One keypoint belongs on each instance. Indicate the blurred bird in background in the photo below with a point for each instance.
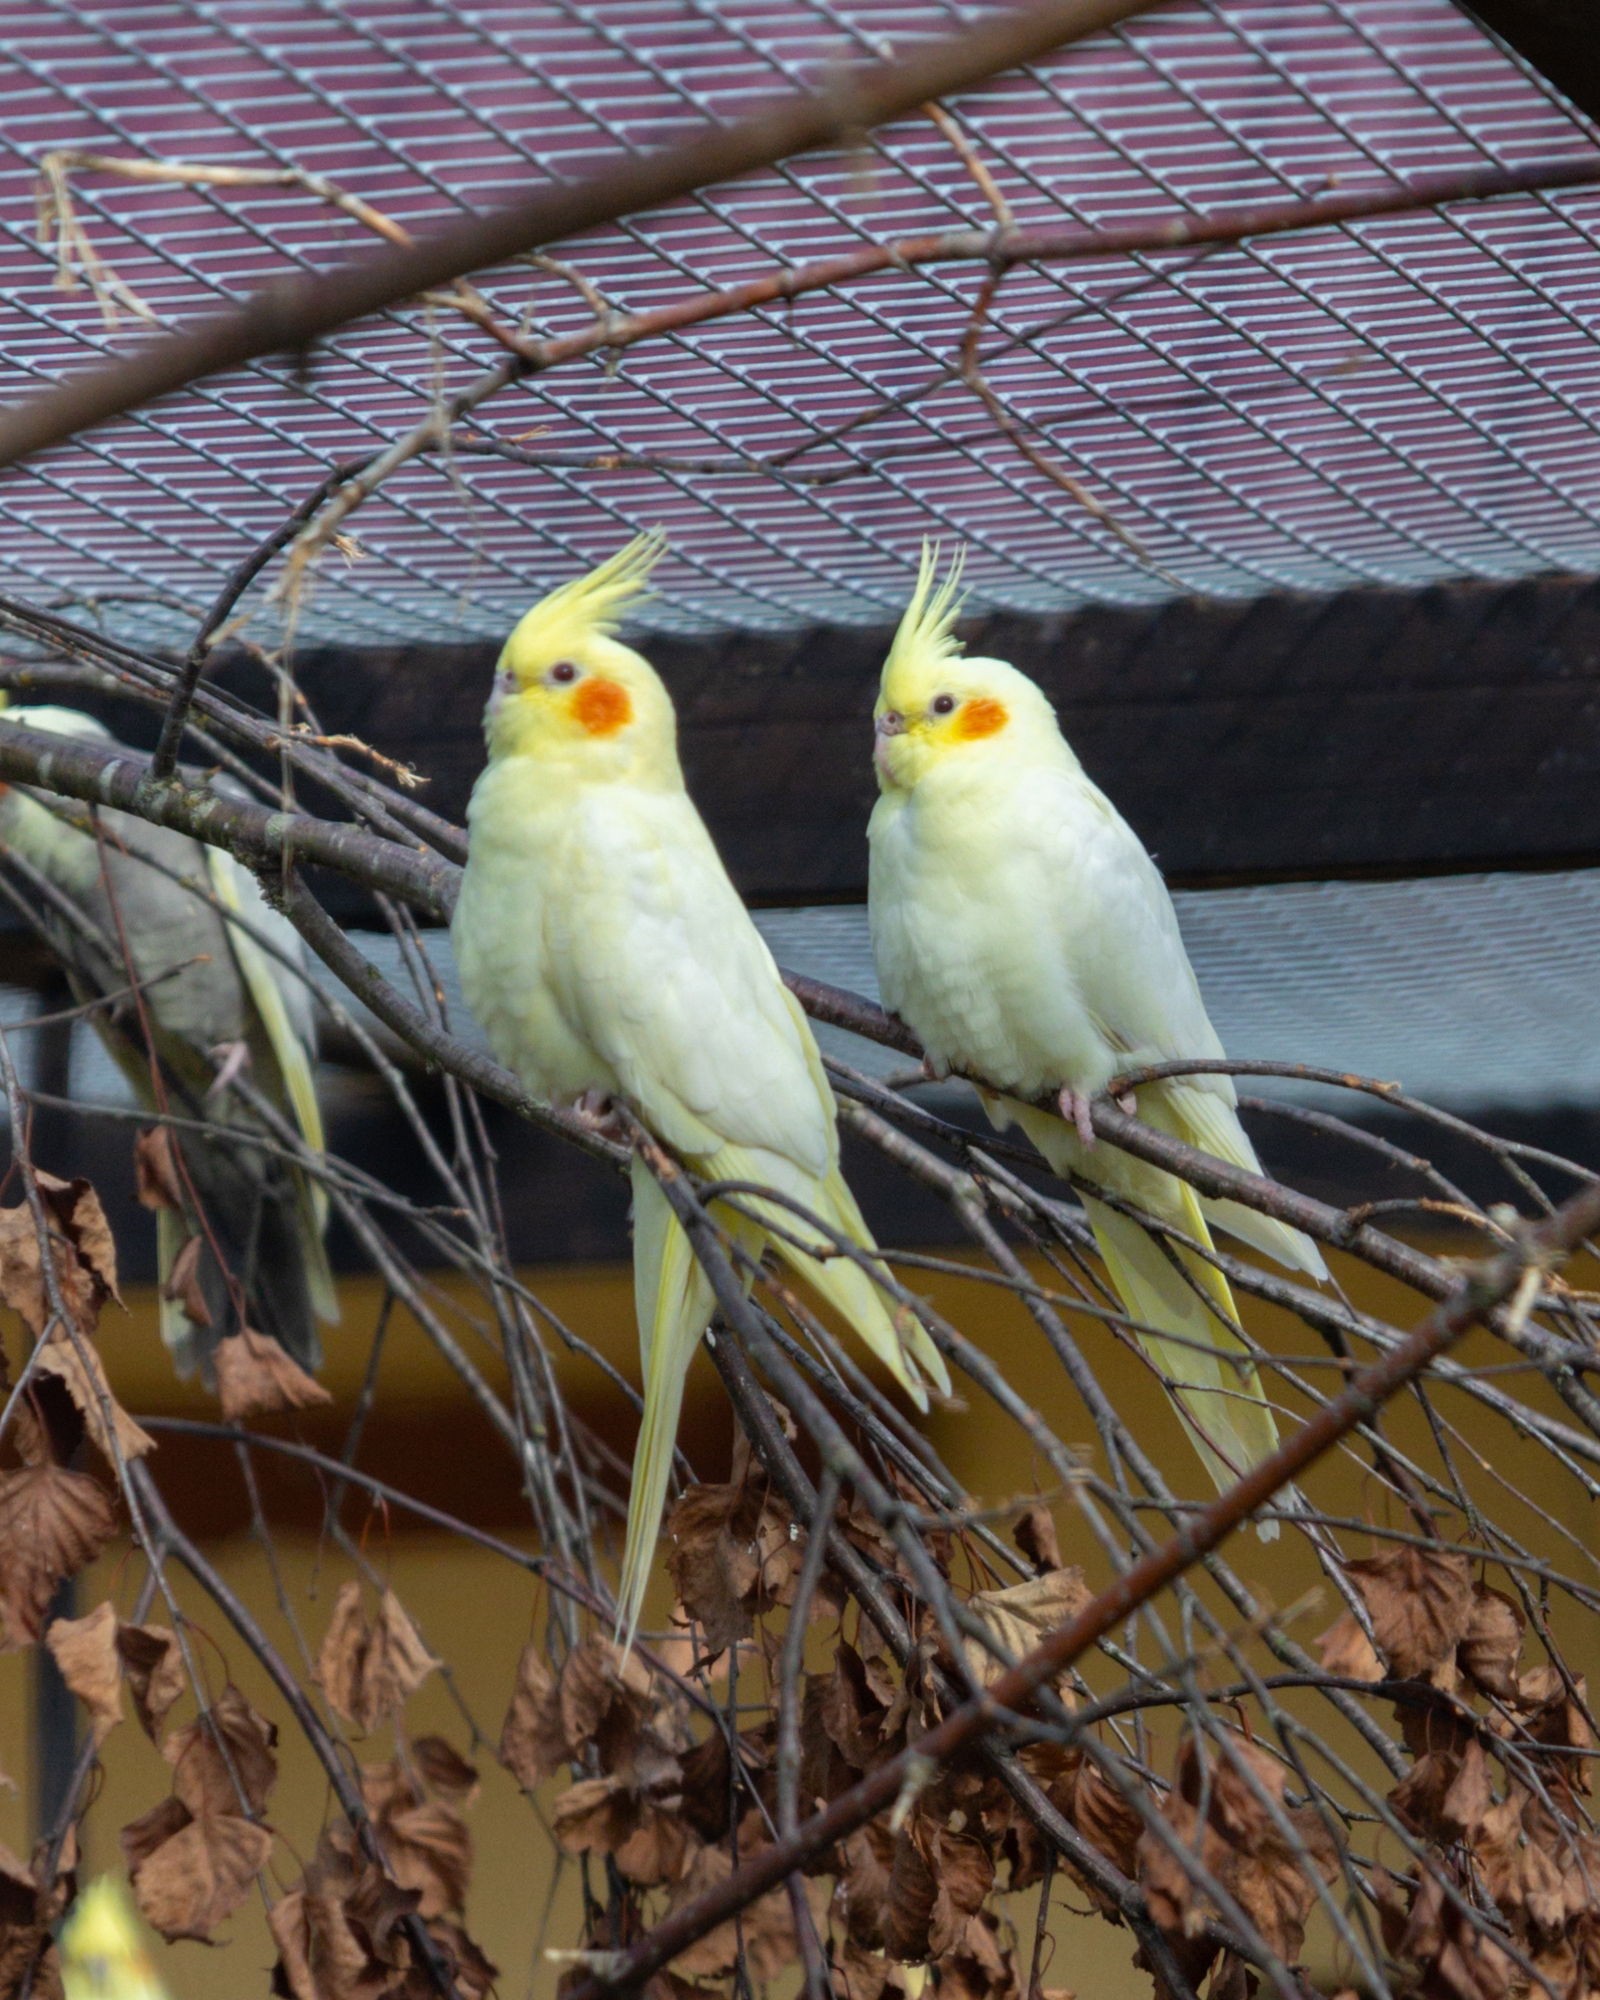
(607, 956)
(103, 1954)
(1023, 933)
(218, 997)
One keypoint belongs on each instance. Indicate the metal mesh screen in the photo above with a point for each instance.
(1396, 401)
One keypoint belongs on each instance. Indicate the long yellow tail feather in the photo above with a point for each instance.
(673, 1300)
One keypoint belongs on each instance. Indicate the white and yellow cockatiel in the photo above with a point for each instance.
(265, 1218)
(606, 955)
(1023, 933)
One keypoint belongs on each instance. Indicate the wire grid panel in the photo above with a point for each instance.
(1341, 975)
(1346, 976)
(1397, 401)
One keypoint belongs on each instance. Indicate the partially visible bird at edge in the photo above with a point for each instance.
(220, 990)
(1023, 933)
(103, 1950)
(608, 958)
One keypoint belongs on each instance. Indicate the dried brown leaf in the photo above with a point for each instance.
(853, 1712)
(1420, 1603)
(142, 1836)
(27, 1913)
(472, 1974)
(75, 1208)
(1347, 1651)
(297, 1972)
(1035, 1535)
(1272, 1877)
(152, 1666)
(533, 1744)
(338, 1934)
(1465, 1804)
(255, 1377)
(190, 1883)
(22, 1280)
(913, 1893)
(76, 1364)
(1488, 1651)
(657, 1850)
(1106, 1818)
(1558, 1717)
(866, 1975)
(430, 1850)
(862, 1894)
(977, 1967)
(343, 1653)
(445, 1769)
(183, 1286)
(157, 1178)
(159, 1181)
(211, 1782)
(734, 1553)
(85, 1651)
(825, 1771)
(52, 1522)
(1021, 1616)
(767, 1924)
(703, 1786)
(595, 1816)
(605, 1700)
(397, 1661)
(81, 1252)
(368, 1671)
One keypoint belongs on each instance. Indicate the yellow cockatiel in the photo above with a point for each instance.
(1022, 931)
(607, 955)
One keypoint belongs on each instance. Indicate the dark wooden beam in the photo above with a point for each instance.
(1375, 732)
(1378, 732)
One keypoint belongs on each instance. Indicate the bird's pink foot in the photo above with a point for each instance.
(233, 1059)
(1075, 1109)
(1129, 1102)
(595, 1109)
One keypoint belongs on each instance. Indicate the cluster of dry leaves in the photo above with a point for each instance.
(194, 1856)
(254, 1376)
(921, 1890)
(1496, 1896)
(1500, 1755)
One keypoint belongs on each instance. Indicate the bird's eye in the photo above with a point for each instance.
(563, 671)
(944, 704)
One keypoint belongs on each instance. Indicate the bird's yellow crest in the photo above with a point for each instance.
(587, 608)
(926, 636)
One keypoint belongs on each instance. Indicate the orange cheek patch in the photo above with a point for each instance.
(602, 707)
(980, 718)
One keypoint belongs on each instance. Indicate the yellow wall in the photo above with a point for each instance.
(475, 1609)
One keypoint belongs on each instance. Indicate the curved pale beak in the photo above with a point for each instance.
(890, 723)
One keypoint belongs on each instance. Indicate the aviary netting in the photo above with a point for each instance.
(922, 1711)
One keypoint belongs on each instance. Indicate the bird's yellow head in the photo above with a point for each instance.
(935, 705)
(103, 1954)
(567, 690)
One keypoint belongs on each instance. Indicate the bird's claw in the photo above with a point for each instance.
(1074, 1108)
(233, 1058)
(598, 1114)
(1129, 1102)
